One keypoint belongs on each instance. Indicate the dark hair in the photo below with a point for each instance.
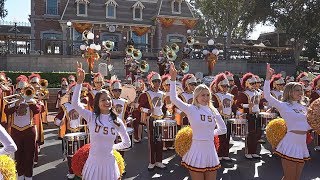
(96, 109)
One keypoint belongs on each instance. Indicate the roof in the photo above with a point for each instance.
(21, 30)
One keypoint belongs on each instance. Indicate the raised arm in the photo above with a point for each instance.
(221, 126)
(266, 90)
(9, 146)
(173, 92)
(75, 101)
(125, 140)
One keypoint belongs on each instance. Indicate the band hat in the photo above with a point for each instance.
(291, 79)
(35, 80)
(230, 78)
(224, 82)
(137, 84)
(21, 84)
(71, 78)
(252, 80)
(305, 78)
(64, 83)
(156, 76)
(308, 88)
(193, 79)
(2, 77)
(116, 85)
(98, 79)
(166, 81)
(280, 81)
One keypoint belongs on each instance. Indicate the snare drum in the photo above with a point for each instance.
(239, 128)
(73, 142)
(266, 117)
(130, 133)
(165, 129)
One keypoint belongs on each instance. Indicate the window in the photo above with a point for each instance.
(111, 6)
(82, 9)
(113, 38)
(176, 7)
(140, 42)
(52, 7)
(137, 10)
(175, 39)
(51, 36)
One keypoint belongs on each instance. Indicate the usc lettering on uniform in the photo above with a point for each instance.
(105, 130)
(203, 118)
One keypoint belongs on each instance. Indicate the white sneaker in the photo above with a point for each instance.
(227, 158)
(70, 176)
(220, 158)
(164, 148)
(151, 166)
(160, 165)
(256, 156)
(317, 148)
(136, 141)
(28, 178)
(248, 156)
(172, 148)
(261, 141)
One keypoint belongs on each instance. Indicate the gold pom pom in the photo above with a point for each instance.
(7, 167)
(183, 140)
(275, 131)
(313, 115)
(120, 161)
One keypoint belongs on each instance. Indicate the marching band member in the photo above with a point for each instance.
(151, 102)
(233, 87)
(71, 79)
(103, 127)
(62, 92)
(68, 120)
(223, 101)
(161, 63)
(44, 94)
(303, 78)
(292, 148)
(4, 91)
(315, 95)
(98, 83)
(136, 114)
(22, 114)
(276, 85)
(34, 81)
(248, 102)
(289, 79)
(189, 82)
(9, 147)
(168, 107)
(201, 160)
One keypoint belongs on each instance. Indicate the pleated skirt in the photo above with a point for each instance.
(293, 147)
(100, 168)
(201, 157)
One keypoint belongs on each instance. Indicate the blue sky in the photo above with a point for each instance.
(20, 10)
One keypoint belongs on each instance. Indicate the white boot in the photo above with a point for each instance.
(21, 178)
(28, 178)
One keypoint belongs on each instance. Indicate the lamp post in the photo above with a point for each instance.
(225, 46)
(69, 24)
(292, 46)
(15, 36)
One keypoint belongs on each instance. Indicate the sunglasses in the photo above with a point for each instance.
(98, 82)
(224, 86)
(193, 84)
(253, 83)
(116, 90)
(156, 81)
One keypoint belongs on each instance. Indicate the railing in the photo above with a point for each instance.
(72, 48)
(12, 23)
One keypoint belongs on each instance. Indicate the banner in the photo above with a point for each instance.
(189, 23)
(80, 27)
(139, 31)
(166, 22)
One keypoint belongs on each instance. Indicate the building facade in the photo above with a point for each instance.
(149, 23)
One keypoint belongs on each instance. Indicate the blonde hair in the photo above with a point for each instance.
(288, 90)
(197, 92)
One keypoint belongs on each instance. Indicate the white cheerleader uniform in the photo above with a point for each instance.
(101, 163)
(202, 156)
(9, 147)
(293, 146)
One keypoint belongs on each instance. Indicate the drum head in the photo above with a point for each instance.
(237, 121)
(77, 135)
(129, 130)
(128, 92)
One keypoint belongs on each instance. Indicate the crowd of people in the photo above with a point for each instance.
(161, 103)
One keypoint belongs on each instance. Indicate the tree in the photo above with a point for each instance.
(299, 19)
(3, 11)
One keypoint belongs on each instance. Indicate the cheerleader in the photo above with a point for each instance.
(201, 159)
(7, 142)
(103, 126)
(276, 84)
(292, 148)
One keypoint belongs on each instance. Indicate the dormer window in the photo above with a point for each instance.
(111, 9)
(176, 6)
(137, 10)
(82, 7)
(52, 7)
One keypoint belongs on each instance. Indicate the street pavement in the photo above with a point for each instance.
(52, 167)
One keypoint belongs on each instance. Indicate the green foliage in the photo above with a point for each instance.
(3, 12)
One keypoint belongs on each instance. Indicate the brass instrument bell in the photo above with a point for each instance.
(136, 54)
(144, 66)
(108, 45)
(175, 47)
(171, 55)
(190, 41)
(129, 50)
(184, 66)
(165, 49)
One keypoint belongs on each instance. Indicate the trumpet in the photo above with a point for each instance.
(12, 98)
(184, 67)
(108, 45)
(144, 66)
(4, 86)
(175, 47)
(190, 40)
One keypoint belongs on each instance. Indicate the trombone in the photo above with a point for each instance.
(12, 98)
